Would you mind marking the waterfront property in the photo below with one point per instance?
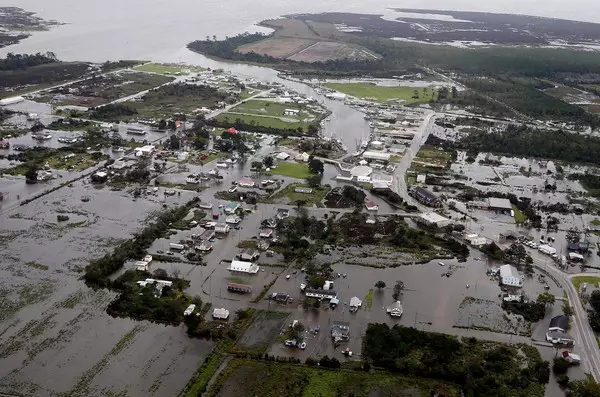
(340, 331)
(319, 293)
(241, 288)
(243, 267)
(509, 276)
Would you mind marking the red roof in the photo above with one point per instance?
(232, 130)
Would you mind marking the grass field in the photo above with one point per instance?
(591, 280)
(257, 378)
(520, 217)
(273, 122)
(314, 198)
(167, 69)
(434, 156)
(384, 94)
(293, 170)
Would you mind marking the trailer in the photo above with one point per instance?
(176, 247)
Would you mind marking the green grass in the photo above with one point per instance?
(383, 94)
(270, 121)
(520, 217)
(316, 197)
(595, 222)
(591, 280)
(206, 371)
(167, 69)
(257, 378)
(293, 170)
(369, 299)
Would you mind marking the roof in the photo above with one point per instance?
(561, 322)
(320, 292)
(559, 335)
(232, 130)
(378, 184)
(242, 266)
(509, 271)
(433, 217)
(361, 170)
(502, 203)
(220, 313)
(395, 306)
(376, 155)
(426, 193)
(334, 301)
(250, 251)
(355, 301)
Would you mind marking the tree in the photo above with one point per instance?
(546, 298)
(380, 285)
(316, 166)
(585, 388)
(31, 174)
(268, 161)
(398, 289)
(174, 142)
(162, 124)
(595, 300)
(160, 273)
(314, 181)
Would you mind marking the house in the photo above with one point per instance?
(559, 323)
(249, 254)
(371, 206)
(291, 112)
(222, 228)
(206, 206)
(377, 145)
(243, 267)
(99, 177)
(144, 151)
(271, 223)
(220, 314)
(233, 219)
(231, 207)
(476, 240)
(159, 284)
(44, 175)
(192, 180)
(266, 233)
(119, 164)
(395, 309)
(303, 190)
(282, 156)
(499, 204)
(426, 197)
(283, 213)
(207, 234)
(141, 266)
(205, 246)
(246, 183)
(280, 297)
(241, 288)
(340, 331)
(302, 157)
(264, 245)
(333, 302)
(319, 293)
(433, 219)
(559, 338)
(509, 275)
(355, 304)
(328, 285)
(573, 256)
(421, 178)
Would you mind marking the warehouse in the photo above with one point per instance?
(499, 204)
(433, 219)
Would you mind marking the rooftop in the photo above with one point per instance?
(500, 203)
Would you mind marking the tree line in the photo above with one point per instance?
(24, 61)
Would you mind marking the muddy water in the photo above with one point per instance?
(49, 319)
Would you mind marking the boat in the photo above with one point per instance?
(441, 264)
(41, 136)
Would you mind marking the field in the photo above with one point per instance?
(431, 157)
(167, 68)
(262, 332)
(277, 47)
(408, 95)
(591, 280)
(103, 89)
(314, 198)
(520, 217)
(293, 170)
(327, 50)
(257, 378)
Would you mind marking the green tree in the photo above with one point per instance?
(585, 388)
(314, 181)
(380, 285)
(268, 161)
(398, 288)
(31, 174)
(546, 298)
(316, 166)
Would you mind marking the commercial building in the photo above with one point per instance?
(426, 197)
(509, 275)
(373, 155)
(433, 219)
(499, 204)
(243, 267)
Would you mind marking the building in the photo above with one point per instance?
(291, 112)
(575, 257)
(421, 178)
(283, 213)
(395, 309)
(433, 219)
(266, 233)
(426, 197)
(363, 171)
(319, 293)
(99, 177)
(340, 331)
(246, 183)
(222, 228)
(371, 206)
(355, 304)
(249, 254)
(559, 323)
(328, 285)
(377, 145)
(546, 249)
(373, 155)
(282, 156)
(190, 309)
(304, 190)
(141, 266)
(302, 157)
(499, 204)
(231, 207)
(205, 246)
(509, 275)
(280, 297)
(476, 240)
(144, 151)
(233, 219)
(241, 288)
(220, 314)
(380, 186)
(243, 267)
(271, 223)
(559, 338)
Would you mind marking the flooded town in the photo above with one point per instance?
(186, 228)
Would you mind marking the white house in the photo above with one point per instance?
(266, 233)
(144, 151)
(371, 206)
(509, 275)
(141, 266)
(355, 304)
(222, 228)
(233, 219)
(282, 156)
(395, 309)
(243, 267)
(220, 314)
(302, 157)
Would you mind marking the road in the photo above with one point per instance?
(400, 173)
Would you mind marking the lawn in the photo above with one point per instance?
(167, 69)
(595, 222)
(591, 280)
(257, 378)
(314, 198)
(384, 94)
(520, 217)
(293, 170)
(369, 299)
(266, 121)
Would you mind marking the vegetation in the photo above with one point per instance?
(479, 368)
(293, 170)
(531, 311)
(408, 95)
(267, 379)
(24, 61)
(309, 199)
(591, 280)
